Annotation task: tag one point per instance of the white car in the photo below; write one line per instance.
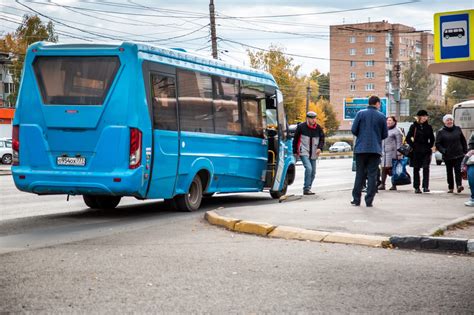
(340, 147)
(6, 152)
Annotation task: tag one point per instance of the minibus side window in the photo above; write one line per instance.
(195, 101)
(252, 97)
(163, 89)
(226, 106)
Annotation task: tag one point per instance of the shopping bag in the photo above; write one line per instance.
(400, 175)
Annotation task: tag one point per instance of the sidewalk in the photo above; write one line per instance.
(394, 212)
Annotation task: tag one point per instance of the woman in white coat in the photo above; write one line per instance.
(389, 150)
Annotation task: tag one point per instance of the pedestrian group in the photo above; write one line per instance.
(380, 143)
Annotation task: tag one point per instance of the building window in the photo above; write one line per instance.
(370, 63)
(352, 39)
(370, 39)
(370, 87)
(353, 87)
(402, 52)
(353, 76)
(370, 75)
(353, 63)
(370, 51)
(352, 51)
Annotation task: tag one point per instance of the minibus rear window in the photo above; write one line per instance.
(75, 80)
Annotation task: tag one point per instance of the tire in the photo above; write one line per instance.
(192, 200)
(282, 192)
(439, 162)
(459, 35)
(101, 202)
(7, 159)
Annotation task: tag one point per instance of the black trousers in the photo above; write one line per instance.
(454, 165)
(426, 173)
(367, 165)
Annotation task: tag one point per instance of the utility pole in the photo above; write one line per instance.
(396, 92)
(213, 29)
(308, 95)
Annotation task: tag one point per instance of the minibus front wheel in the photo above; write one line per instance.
(101, 202)
(192, 200)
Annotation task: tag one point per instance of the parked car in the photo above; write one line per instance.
(340, 147)
(6, 152)
(438, 157)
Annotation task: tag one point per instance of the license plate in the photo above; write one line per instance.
(72, 161)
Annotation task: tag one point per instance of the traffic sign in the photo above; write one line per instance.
(454, 38)
(353, 105)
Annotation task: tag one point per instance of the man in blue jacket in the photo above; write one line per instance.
(370, 128)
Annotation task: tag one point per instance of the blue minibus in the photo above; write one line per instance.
(111, 120)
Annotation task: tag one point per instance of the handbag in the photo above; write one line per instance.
(400, 175)
(405, 149)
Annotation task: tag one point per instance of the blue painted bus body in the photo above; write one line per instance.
(101, 134)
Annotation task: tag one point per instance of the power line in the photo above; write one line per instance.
(323, 12)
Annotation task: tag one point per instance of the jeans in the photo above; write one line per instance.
(454, 165)
(367, 165)
(470, 179)
(309, 171)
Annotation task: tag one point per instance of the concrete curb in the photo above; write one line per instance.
(459, 245)
(287, 232)
(445, 244)
(335, 157)
(450, 224)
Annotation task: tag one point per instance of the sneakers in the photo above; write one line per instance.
(469, 203)
(308, 192)
(460, 189)
(417, 191)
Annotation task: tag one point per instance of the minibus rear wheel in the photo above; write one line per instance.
(101, 202)
(192, 200)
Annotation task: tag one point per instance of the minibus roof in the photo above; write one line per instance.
(173, 53)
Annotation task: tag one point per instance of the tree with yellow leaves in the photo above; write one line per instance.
(318, 109)
(30, 30)
(292, 85)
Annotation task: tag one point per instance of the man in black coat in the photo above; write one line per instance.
(450, 141)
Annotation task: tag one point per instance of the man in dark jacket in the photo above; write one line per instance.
(450, 141)
(308, 144)
(421, 139)
(370, 128)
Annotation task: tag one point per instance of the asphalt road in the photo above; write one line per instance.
(143, 258)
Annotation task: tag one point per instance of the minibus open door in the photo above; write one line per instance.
(280, 182)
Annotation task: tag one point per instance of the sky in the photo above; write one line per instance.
(298, 27)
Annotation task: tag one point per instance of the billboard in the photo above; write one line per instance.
(352, 105)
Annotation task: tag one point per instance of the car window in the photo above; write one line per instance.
(8, 144)
(2, 145)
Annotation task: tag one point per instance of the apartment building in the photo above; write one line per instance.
(369, 59)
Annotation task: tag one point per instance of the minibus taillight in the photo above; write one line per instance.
(16, 145)
(135, 147)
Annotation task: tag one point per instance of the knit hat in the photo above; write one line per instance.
(446, 117)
